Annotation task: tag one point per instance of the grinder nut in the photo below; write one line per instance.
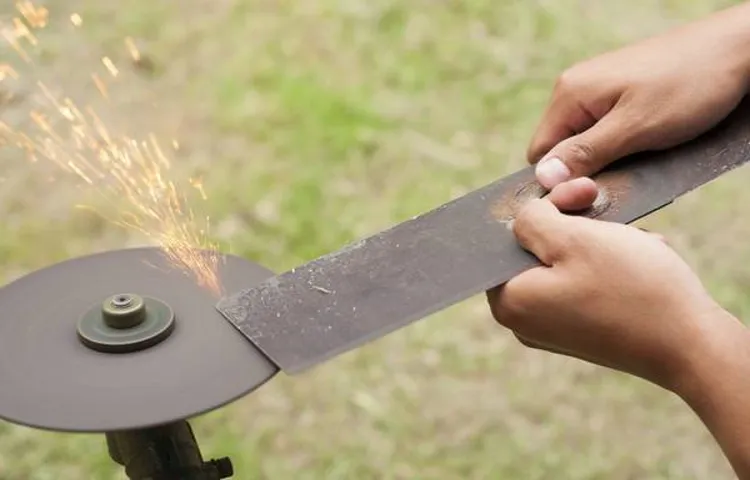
(126, 323)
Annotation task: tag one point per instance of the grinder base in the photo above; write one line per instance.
(167, 452)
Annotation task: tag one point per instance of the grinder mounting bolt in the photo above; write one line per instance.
(124, 311)
(126, 322)
(122, 301)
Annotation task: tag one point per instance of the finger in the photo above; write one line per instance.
(493, 301)
(574, 195)
(588, 152)
(513, 304)
(541, 229)
(562, 119)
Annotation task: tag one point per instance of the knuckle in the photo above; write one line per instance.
(580, 155)
(568, 237)
(506, 310)
(522, 220)
(566, 242)
(635, 120)
(556, 252)
(528, 211)
(568, 81)
(524, 223)
(645, 133)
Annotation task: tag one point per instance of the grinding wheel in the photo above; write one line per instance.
(50, 378)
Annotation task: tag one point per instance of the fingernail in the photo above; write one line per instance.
(551, 171)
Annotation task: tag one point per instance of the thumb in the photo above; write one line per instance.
(586, 153)
(541, 229)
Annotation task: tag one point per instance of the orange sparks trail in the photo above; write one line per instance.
(76, 140)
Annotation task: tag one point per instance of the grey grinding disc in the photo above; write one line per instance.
(49, 379)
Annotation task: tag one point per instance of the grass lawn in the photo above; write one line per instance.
(316, 122)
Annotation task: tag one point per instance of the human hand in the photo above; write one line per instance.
(608, 293)
(647, 96)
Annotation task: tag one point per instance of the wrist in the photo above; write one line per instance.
(717, 356)
(741, 54)
(734, 25)
(715, 383)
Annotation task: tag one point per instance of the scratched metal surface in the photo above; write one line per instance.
(387, 281)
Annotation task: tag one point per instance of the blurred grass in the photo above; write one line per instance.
(318, 122)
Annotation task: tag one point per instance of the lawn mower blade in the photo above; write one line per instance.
(368, 289)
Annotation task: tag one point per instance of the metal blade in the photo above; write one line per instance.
(375, 286)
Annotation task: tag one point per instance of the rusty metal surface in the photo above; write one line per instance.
(50, 380)
(370, 288)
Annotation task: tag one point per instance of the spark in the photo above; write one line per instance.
(198, 185)
(100, 85)
(7, 71)
(129, 174)
(13, 36)
(37, 17)
(135, 54)
(109, 64)
(20, 30)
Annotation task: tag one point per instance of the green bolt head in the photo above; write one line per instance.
(126, 323)
(124, 311)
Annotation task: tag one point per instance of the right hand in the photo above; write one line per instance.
(616, 296)
(609, 294)
(648, 96)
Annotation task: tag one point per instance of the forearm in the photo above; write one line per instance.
(716, 385)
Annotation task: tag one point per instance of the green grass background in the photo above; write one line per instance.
(317, 122)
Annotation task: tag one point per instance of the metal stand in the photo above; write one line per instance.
(168, 452)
